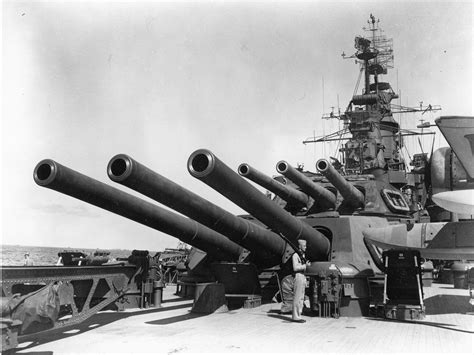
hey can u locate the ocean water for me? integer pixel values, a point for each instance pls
(13, 255)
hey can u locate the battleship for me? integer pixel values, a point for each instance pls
(376, 240)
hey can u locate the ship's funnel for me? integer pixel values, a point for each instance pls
(324, 198)
(55, 176)
(267, 247)
(352, 196)
(205, 166)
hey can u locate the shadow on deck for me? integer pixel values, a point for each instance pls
(444, 304)
(99, 320)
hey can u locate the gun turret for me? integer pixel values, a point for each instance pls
(205, 166)
(55, 176)
(267, 247)
(352, 197)
(323, 198)
(292, 196)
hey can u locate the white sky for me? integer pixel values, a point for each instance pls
(85, 81)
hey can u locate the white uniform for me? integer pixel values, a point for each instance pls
(299, 286)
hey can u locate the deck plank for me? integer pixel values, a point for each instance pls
(173, 329)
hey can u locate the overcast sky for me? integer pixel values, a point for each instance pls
(85, 81)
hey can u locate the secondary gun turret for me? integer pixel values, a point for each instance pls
(205, 166)
(55, 176)
(266, 247)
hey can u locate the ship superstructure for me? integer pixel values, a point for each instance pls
(373, 137)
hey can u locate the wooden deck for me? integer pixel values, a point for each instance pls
(447, 328)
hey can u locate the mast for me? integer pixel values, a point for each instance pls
(374, 137)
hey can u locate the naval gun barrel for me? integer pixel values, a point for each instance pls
(292, 196)
(55, 176)
(322, 196)
(205, 166)
(351, 195)
(266, 245)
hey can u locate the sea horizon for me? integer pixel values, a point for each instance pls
(14, 254)
(65, 247)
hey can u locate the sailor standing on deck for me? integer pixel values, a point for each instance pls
(299, 267)
(27, 261)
